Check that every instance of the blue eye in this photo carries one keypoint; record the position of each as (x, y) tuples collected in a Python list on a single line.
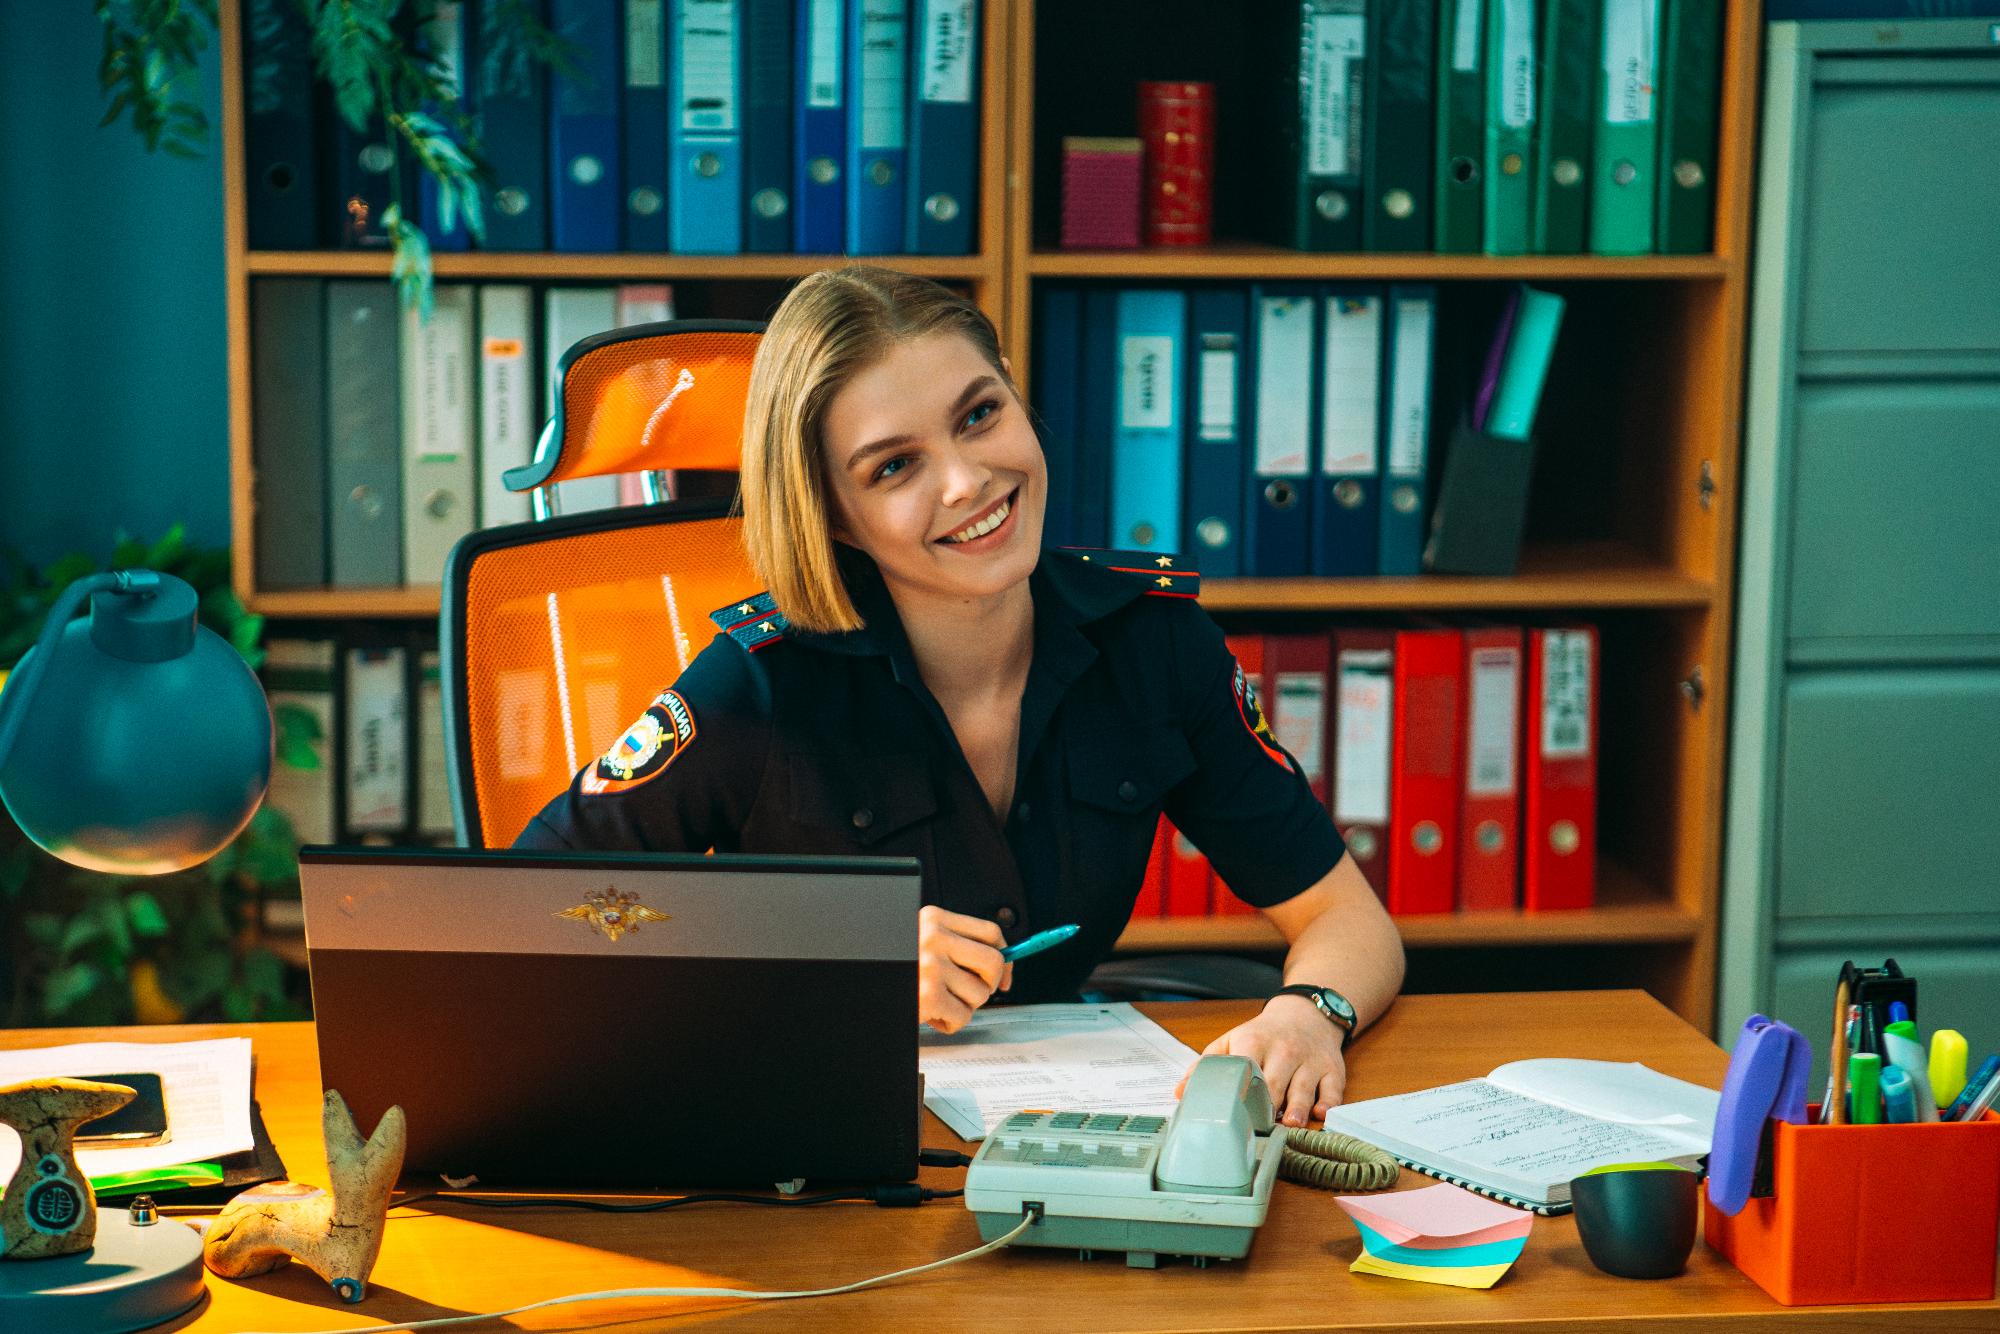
[(891, 468), (982, 411)]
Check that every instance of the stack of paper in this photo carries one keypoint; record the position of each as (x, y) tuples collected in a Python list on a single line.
[(206, 1086), (1440, 1234)]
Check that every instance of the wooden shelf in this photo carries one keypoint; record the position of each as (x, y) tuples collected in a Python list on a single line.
[(538, 265), (1579, 575), (1595, 574), (1250, 259), (1628, 912)]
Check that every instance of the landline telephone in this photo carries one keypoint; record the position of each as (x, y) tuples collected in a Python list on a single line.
[(1197, 1183)]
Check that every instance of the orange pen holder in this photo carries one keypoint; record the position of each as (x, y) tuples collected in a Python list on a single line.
[(1879, 1213)]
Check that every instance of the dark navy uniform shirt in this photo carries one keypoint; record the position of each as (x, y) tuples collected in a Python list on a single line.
[(777, 740)]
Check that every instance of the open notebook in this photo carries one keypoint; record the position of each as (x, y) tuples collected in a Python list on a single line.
[(1524, 1131)]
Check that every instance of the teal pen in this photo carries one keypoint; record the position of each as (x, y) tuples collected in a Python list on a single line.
[(1038, 942)]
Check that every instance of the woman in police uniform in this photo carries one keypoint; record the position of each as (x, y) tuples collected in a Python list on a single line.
[(923, 679)]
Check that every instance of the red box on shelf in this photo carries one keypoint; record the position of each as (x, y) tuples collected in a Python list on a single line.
[(1876, 1213), (1177, 126), (1100, 199)]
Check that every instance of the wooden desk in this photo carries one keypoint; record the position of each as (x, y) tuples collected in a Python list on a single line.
[(444, 1259)]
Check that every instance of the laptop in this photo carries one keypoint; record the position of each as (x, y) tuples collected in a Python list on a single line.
[(635, 1021)]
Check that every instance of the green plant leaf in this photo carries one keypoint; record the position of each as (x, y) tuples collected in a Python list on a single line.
[(44, 929), (142, 910), (82, 929), (195, 981), (264, 974), (239, 1004), (66, 987)]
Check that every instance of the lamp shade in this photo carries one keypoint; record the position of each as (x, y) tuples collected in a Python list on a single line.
[(144, 741)]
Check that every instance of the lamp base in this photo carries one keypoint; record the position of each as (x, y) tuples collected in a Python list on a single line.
[(132, 1278)]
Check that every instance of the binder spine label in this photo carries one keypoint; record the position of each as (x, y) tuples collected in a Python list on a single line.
[(1284, 414), (1410, 393), (1517, 63), (881, 56), (823, 54), (947, 50), (1351, 378), (1495, 700), (1216, 400), (645, 47), (1334, 82), (1147, 380), (1298, 720), (1629, 34), (1566, 695), (708, 75), (1361, 783), (1465, 38)]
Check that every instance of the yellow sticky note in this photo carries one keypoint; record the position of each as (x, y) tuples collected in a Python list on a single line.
[(1466, 1276)]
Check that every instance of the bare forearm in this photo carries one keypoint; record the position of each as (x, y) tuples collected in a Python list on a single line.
[(1346, 942)]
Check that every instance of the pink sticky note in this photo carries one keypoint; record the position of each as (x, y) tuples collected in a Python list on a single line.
[(1447, 1213)]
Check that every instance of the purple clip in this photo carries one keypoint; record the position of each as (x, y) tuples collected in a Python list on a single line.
[(1766, 1082)]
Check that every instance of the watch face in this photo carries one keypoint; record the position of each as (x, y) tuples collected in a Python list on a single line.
[(1337, 1003)]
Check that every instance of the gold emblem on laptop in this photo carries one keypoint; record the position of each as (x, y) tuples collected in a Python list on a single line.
[(611, 914)]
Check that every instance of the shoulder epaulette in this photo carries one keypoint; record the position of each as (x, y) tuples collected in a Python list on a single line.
[(1162, 571), (754, 623)]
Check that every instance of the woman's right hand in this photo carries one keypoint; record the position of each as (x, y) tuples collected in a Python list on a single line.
[(958, 966)]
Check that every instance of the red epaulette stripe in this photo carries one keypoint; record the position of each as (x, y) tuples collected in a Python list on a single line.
[(1156, 571)]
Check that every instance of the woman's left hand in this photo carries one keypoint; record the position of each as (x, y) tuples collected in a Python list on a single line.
[(1299, 1052)]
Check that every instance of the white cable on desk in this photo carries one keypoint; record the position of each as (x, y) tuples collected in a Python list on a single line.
[(618, 1293)]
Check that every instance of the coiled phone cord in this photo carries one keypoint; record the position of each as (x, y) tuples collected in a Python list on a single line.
[(1329, 1161)]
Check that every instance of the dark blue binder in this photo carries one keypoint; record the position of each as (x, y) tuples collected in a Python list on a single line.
[(1218, 360), (1407, 354), (1058, 346), (878, 80), (1282, 404), (819, 129), (1097, 416), (706, 130), (767, 126), (280, 162), (584, 192), (643, 141), (359, 166), (1347, 432), (511, 94), (944, 128), (444, 39)]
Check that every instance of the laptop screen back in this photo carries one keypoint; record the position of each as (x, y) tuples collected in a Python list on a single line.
[(626, 1020)]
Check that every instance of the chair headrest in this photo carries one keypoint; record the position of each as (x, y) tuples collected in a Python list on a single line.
[(652, 396)]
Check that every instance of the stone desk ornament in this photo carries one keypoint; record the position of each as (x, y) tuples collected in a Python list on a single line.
[(49, 1209), (337, 1233)]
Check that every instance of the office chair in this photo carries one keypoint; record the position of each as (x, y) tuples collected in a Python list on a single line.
[(556, 633)]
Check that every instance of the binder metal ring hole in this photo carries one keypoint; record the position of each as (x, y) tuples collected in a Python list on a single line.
[(822, 171), (1212, 533), (1564, 838), (1427, 838), (769, 203), (644, 201), (941, 208), (1331, 205), (1281, 494), (707, 165), (1361, 842), (512, 201), (1349, 493), (586, 170), (1567, 171)]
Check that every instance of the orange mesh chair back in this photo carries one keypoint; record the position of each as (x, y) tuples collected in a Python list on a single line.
[(557, 634)]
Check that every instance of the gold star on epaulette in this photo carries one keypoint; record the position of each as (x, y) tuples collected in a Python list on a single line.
[(738, 613), (1165, 562), (1163, 580)]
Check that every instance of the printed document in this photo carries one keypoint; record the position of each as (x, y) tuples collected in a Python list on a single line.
[(206, 1086), (1058, 1058)]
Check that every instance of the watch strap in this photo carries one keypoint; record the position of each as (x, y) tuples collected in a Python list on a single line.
[(1333, 1016)]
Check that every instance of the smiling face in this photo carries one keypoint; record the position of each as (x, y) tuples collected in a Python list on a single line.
[(934, 471)]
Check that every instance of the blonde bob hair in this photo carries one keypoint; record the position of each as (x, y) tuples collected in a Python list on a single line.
[(833, 325)]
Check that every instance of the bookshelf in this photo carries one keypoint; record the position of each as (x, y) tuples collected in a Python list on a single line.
[(1633, 520), (1633, 525)]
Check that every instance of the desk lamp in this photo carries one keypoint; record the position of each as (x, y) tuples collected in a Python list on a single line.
[(134, 742)]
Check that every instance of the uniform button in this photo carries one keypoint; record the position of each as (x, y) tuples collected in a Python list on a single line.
[(1006, 917), (1128, 791), (863, 818), (1022, 810)]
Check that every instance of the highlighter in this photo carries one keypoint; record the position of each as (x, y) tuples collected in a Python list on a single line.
[(1899, 1099), (1948, 1056), (1907, 1055), (1977, 1084), (1864, 1083)]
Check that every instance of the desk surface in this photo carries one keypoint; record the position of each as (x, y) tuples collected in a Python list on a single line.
[(441, 1259)]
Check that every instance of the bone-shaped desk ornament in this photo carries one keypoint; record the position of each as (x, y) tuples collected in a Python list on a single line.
[(49, 1209), (337, 1232)]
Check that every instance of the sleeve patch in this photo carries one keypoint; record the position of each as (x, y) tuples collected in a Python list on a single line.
[(1251, 711), (663, 731)]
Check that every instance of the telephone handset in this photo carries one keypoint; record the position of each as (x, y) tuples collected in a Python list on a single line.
[(1196, 1183)]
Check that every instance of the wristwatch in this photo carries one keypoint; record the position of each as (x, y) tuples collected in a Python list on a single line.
[(1338, 1010)]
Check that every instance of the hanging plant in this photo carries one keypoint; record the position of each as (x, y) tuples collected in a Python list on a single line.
[(361, 53)]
